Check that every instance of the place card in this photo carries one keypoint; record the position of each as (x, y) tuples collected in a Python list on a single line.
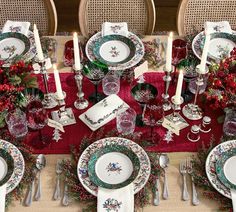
[(102, 112), (140, 70), (56, 125), (170, 126)]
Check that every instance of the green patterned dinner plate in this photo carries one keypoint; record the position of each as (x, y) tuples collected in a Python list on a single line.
[(6, 166), (114, 49), (225, 168), (13, 45), (113, 167)]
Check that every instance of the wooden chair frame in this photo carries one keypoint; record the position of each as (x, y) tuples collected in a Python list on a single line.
[(180, 17), (52, 21), (151, 12)]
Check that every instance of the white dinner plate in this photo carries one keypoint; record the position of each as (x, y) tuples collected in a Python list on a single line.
[(220, 45), (139, 181), (138, 55), (18, 166)]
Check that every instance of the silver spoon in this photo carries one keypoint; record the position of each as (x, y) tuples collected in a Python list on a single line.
[(164, 162), (40, 164)]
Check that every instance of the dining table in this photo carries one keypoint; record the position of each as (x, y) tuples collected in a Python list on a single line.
[(48, 174)]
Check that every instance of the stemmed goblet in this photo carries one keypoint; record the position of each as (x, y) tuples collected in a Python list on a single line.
[(143, 93), (37, 118), (179, 52), (153, 115), (95, 71)]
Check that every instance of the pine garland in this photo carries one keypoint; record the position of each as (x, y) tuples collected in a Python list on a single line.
[(78, 193)]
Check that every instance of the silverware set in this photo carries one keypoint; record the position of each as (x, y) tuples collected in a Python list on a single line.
[(36, 181), (57, 192), (186, 168)]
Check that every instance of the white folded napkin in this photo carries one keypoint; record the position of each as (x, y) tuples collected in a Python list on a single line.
[(109, 28), (102, 112), (16, 26), (121, 200), (3, 191), (214, 27)]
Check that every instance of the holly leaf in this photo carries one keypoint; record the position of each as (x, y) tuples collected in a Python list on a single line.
[(29, 81), (15, 80)]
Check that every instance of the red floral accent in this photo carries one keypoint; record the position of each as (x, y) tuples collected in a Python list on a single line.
[(221, 91)]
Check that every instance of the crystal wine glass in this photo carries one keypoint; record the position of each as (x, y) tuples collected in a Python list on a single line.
[(37, 118), (143, 93), (95, 71), (153, 115)]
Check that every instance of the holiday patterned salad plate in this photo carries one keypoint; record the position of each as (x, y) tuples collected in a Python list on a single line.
[(84, 170), (225, 169), (113, 166), (211, 169), (221, 44), (121, 61), (12, 45), (114, 49), (12, 165)]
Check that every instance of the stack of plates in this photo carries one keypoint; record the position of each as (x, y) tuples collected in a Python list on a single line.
[(113, 163), (117, 51), (14, 44), (12, 165), (220, 167), (221, 44)]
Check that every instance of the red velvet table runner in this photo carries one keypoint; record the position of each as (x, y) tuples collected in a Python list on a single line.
[(74, 133)]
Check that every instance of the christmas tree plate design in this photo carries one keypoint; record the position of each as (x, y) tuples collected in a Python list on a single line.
[(12, 165), (83, 168), (114, 49), (113, 167), (211, 170), (13, 45), (225, 169)]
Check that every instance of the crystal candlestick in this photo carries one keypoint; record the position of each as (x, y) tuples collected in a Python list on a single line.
[(192, 111), (48, 101), (165, 95), (81, 102)]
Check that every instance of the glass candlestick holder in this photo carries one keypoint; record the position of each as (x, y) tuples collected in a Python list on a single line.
[(80, 103), (192, 111), (165, 95), (48, 101)]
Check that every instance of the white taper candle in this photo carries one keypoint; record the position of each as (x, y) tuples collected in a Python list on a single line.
[(58, 83), (179, 87), (38, 44), (169, 52), (76, 52), (204, 54)]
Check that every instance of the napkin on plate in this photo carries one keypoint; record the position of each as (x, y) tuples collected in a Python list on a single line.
[(16, 26), (109, 28), (102, 112), (3, 191), (214, 27), (121, 199)]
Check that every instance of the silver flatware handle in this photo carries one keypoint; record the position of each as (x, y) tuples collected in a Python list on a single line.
[(29, 196), (195, 199), (185, 195), (156, 199), (57, 192), (165, 194), (37, 195), (65, 199)]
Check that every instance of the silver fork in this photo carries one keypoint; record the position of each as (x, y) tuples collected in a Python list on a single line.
[(57, 192), (183, 171), (195, 199)]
